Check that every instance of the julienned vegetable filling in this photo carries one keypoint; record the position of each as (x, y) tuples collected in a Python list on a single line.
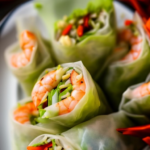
[(58, 91), (47, 144), (80, 24)]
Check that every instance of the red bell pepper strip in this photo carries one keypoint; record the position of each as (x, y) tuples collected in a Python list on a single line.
[(128, 22), (147, 27), (42, 147), (140, 131), (67, 29), (148, 24), (147, 140), (35, 148), (80, 30), (86, 21)]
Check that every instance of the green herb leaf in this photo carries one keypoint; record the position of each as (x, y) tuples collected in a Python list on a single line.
[(38, 5), (42, 111), (33, 120), (53, 143)]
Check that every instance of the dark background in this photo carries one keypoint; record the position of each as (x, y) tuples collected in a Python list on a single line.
[(8, 5)]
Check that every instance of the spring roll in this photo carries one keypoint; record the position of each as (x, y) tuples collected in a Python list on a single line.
[(135, 102), (25, 127), (29, 55), (131, 68), (87, 33), (68, 95), (98, 133)]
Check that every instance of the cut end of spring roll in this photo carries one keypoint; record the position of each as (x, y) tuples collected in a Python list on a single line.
[(50, 142), (58, 91), (80, 25)]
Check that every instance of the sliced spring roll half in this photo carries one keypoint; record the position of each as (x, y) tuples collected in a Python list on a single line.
[(29, 55), (131, 68), (25, 127), (100, 133), (68, 95), (87, 33), (135, 102), (50, 142)]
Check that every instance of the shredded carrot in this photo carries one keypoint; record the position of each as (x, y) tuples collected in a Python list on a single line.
[(67, 29)]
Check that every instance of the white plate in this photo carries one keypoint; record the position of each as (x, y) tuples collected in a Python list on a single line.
[(10, 92)]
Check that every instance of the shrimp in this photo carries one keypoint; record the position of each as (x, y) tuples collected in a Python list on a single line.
[(46, 84), (27, 43), (68, 104), (141, 91), (23, 113), (136, 48)]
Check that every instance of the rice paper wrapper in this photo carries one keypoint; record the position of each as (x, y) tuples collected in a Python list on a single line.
[(120, 75), (66, 144), (100, 133), (95, 49), (136, 108), (93, 103), (23, 134), (41, 57)]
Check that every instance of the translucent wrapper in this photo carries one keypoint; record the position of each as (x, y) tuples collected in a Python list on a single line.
[(95, 49), (23, 134), (91, 104), (41, 57), (121, 74), (100, 133), (136, 108)]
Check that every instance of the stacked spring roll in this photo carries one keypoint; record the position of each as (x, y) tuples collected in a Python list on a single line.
[(101, 132), (68, 95), (135, 104), (98, 133), (131, 68), (30, 55), (25, 126), (87, 34)]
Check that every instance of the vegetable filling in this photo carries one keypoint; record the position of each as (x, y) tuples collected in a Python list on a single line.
[(47, 144), (80, 24), (66, 89)]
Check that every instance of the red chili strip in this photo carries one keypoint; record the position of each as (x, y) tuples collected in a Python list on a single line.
[(42, 147), (67, 29), (148, 24), (147, 140), (86, 21), (147, 27), (80, 30), (139, 9), (128, 22)]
